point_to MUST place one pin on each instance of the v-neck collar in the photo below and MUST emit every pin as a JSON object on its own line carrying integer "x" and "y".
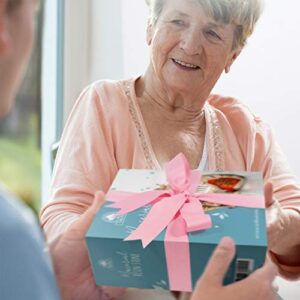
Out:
{"x": 213, "y": 149}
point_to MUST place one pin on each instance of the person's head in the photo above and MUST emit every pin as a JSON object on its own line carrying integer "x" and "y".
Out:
{"x": 206, "y": 35}
{"x": 16, "y": 40}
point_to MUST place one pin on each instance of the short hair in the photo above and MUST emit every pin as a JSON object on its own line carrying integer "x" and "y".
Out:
{"x": 242, "y": 13}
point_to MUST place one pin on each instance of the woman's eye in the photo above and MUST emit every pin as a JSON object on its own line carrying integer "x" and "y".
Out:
{"x": 177, "y": 22}
{"x": 213, "y": 34}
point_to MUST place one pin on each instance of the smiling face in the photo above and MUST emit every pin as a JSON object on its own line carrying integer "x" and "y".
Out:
{"x": 189, "y": 50}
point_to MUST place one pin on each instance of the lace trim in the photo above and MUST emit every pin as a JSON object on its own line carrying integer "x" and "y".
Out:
{"x": 217, "y": 141}
{"x": 135, "y": 118}
{"x": 216, "y": 133}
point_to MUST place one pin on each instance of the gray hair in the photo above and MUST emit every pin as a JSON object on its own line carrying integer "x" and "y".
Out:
{"x": 242, "y": 13}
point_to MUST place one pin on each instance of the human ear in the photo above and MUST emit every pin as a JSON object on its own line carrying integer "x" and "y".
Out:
{"x": 235, "y": 53}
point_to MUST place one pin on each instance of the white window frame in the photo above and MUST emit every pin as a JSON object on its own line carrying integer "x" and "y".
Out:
{"x": 52, "y": 85}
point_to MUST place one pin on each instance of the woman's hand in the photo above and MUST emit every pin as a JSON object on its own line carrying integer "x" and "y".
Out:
{"x": 257, "y": 286}
{"x": 70, "y": 258}
{"x": 282, "y": 224}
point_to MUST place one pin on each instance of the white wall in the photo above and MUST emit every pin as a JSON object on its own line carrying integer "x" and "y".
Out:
{"x": 106, "y": 40}
{"x": 266, "y": 75}
{"x": 135, "y": 48}
{"x": 93, "y": 45}
{"x": 76, "y": 51}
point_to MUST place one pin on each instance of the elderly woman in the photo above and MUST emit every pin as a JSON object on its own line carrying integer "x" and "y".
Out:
{"x": 144, "y": 122}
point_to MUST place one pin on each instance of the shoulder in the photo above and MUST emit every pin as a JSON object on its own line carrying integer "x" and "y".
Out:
{"x": 107, "y": 90}
{"x": 237, "y": 114}
{"x": 250, "y": 130}
{"x": 231, "y": 108}
{"x": 104, "y": 96}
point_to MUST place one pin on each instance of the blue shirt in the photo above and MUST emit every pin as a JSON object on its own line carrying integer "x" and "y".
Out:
{"x": 25, "y": 269}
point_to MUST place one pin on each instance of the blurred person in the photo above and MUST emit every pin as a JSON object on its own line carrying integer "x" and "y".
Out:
{"x": 25, "y": 268}
{"x": 25, "y": 271}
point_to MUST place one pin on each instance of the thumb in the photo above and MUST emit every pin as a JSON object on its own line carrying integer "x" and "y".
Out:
{"x": 268, "y": 194}
{"x": 259, "y": 284}
{"x": 86, "y": 219}
{"x": 266, "y": 273}
{"x": 219, "y": 262}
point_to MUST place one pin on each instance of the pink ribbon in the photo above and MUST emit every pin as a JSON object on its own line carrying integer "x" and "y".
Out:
{"x": 178, "y": 209}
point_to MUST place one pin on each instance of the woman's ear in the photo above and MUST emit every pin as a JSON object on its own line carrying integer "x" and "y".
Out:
{"x": 149, "y": 33}
{"x": 235, "y": 53}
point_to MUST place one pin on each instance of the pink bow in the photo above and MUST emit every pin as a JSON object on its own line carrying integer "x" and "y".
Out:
{"x": 180, "y": 201}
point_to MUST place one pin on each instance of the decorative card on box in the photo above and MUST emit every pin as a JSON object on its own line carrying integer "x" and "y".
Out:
{"x": 180, "y": 216}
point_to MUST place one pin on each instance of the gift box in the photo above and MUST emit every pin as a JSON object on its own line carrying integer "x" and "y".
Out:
{"x": 158, "y": 228}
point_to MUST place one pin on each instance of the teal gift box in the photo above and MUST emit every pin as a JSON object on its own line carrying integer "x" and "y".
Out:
{"x": 116, "y": 262}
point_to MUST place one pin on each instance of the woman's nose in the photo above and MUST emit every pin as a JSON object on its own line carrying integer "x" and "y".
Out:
{"x": 191, "y": 43}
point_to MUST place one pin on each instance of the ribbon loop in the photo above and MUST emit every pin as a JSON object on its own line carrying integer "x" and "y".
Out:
{"x": 179, "y": 174}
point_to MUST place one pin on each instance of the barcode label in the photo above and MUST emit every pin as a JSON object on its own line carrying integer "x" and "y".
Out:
{"x": 243, "y": 267}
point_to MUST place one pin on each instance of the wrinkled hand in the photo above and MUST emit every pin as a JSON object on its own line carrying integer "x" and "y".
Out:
{"x": 257, "y": 286}
{"x": 280, "y": 228}
{"x": 70, "y": 258}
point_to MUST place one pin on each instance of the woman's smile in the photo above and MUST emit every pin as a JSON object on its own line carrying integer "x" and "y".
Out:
{"x": 185, "y": 66}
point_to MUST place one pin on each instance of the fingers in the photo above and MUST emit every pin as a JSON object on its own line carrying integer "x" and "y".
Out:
{"x": 219, "y": 262}
{"x": 85, "y": 220}
{"x": 260, "y": 282}
{"x": 98, "y": 202}
{"x": 268, "y": 194}
{"x": 258, "y": 285}
{"x": 267, "y": 272}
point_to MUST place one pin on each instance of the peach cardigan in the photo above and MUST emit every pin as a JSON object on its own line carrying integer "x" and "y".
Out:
{"x": 106, "y": 132}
